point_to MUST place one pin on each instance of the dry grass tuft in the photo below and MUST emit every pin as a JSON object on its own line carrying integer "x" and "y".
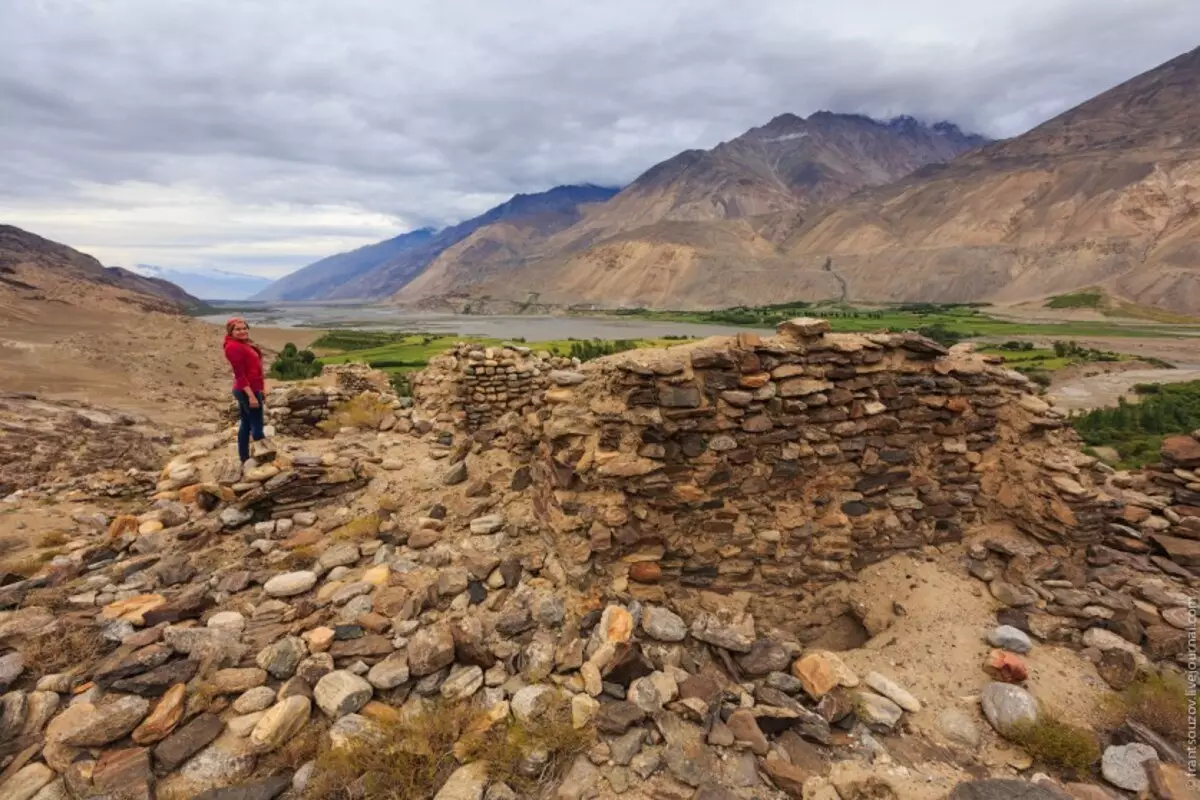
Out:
{"x": 506, "y": 749}
{"x": 300, "y": 558}
{"x": 74, "y": 647}
{"x": 53, "y": 539}
{"x": 363, "y": 411}
{"x": 1057, "y": 744}
{"x": 359, "y": 528}
{"x": 1160, "y": 702}
{"x": 408, "y": 760}
{"x": 26, "y": 566}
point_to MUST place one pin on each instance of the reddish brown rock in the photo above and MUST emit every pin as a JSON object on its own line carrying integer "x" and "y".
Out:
{"x": 645, "y": 572}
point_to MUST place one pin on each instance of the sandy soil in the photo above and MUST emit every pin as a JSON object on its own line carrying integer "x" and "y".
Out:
{"x": 153, "y": 364}
{"x": 937, "y": 649}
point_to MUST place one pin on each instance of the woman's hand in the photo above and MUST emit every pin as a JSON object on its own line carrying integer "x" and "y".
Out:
{"x": 252, "y": 399}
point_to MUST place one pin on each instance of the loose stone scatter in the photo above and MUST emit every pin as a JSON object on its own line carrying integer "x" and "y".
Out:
{"x": 656, "y": 549}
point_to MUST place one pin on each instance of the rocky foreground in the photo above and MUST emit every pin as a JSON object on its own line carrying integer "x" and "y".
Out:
{"x": 386, "y": 591}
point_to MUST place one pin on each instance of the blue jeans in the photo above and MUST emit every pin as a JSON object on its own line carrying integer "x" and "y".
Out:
{"x": 250, "y": 425}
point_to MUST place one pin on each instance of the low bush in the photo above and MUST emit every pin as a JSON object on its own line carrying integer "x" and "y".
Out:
{"x": 1057, "y": 744}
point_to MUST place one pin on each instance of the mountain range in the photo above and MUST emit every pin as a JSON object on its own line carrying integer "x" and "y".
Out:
{"x": 378, "y": 270}
{"x": 207, "y": 284}
{"x": 838, "y": 206}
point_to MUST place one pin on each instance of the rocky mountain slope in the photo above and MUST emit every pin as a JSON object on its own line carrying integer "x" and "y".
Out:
{"x": 619, "y": 249}
{"x": 380, "y": 269}
{"x": 1106, "y": 194}
{"x": 36, "y": 271}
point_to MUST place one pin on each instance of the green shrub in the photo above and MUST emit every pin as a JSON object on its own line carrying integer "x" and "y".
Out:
{"x": 294, "y": 365}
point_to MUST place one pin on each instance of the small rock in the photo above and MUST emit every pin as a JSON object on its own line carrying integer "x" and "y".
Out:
{"x": 959, "y": 727}
{"x": 456, "y": 474}
{"x": 290, "y": 584}
{"x": 664, "y": 625}
{"x": 1006, "y": 705}
{"x": 893, "y": 691}
{"x": 531, "y": 703}
{"x": 1007, "y": 637}
{"x": 1124, "y": 765}
{"x": 877, "y": 712}
{"x": 341, "y": 692}
{"x": 465, "y": 783}
{"x": 486, "y": 525}
{"x": 280, "y": 723}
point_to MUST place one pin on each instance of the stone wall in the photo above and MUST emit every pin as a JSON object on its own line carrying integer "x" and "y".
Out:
{"x": 782, "y": 465}
{"x": 478, "y": 385}
{"x": 297, "y": 409}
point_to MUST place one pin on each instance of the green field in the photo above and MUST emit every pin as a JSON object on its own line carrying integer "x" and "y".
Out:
{"x": 403, "y": 352}
{"x": 966, "y": 320}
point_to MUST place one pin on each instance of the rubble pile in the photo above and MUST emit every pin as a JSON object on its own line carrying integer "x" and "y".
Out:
{"x": 55, "y": 441}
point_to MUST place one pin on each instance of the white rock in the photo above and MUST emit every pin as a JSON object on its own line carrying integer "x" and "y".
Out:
{"x": 290, "y": 583}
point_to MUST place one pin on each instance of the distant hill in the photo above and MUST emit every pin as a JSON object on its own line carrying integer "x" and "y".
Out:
{"x": 35, "y": 271}
{"x": 378, "y": 270}
{"x": 210, "y": 284}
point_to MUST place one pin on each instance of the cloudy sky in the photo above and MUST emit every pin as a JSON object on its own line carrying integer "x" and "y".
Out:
{"x": 259, "y": 135}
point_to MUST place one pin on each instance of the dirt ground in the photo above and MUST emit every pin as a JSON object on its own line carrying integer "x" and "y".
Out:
{"x": 936, "y": 648}
{"x": 153, "y": 364}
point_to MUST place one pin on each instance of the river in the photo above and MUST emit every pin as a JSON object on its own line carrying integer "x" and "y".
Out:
{"x": 530, "y": 328}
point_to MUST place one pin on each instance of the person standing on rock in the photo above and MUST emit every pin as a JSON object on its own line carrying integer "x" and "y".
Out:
{"x": 248, "y": 387}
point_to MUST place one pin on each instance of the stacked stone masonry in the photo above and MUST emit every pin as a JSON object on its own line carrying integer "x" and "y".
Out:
{"x": 482, "y": 384}
{"x": 779, "y": 465}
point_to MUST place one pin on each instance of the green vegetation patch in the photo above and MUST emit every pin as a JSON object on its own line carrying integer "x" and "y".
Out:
{"x": 963, "y": 320}
{"x": 1136, "y": 430}
{"x": 294, "y": 365}
{"x": 1084, "y": 299}
{"x": 400, "y": 353}
{"x": 1057, "y": 744}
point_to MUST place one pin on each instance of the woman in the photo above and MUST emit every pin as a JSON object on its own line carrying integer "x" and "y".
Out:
{"x": 246, "y": 359}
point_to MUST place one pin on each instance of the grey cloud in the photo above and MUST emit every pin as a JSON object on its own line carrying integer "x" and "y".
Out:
{"x": 429, "y": 112}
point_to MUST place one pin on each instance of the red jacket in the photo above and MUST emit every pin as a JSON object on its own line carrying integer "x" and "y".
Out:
{"x": 246, "y": 363}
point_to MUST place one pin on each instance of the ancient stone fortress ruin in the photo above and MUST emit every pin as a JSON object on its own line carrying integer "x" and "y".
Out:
{"x": 775, "y": 465}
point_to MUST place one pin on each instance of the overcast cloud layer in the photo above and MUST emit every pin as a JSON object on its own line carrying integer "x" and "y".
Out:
{"x": 259, "y": 135}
